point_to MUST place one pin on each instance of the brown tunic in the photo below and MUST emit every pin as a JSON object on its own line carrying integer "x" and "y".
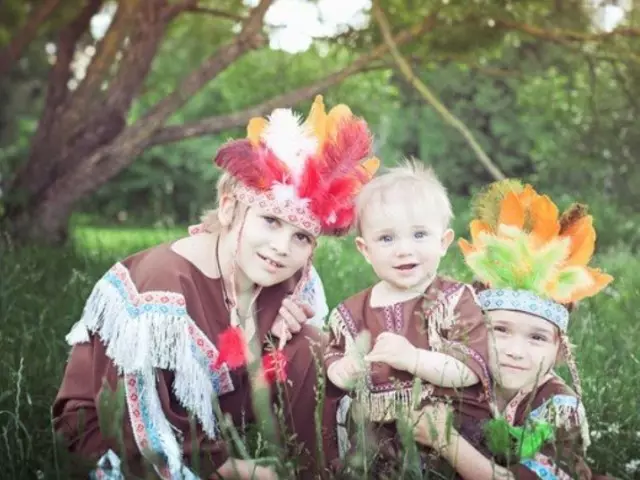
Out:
{"x": 446, "y": 319}
{"x": 177, "y": 314}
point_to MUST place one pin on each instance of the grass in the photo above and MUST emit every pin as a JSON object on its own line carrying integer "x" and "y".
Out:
{"x": 42, "y": 293}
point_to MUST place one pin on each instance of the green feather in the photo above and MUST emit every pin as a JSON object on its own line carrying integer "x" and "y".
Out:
{"x": 530, "y": 439}
{"x": 497, "y": 433}
{"x": 523, "y": 442}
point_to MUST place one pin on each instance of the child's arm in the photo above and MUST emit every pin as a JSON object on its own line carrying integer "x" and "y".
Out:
{"x": 431, "y": 427}
{"x": 340, "y": 360}
{"x": 443, "y": 370}
{"x": 434, "y": 367}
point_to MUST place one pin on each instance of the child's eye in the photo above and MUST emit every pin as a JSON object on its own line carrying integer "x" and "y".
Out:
{"x": 539, "y": 338}
{"x": 500, "y": 329}
{"x": 303, "y": 237}
{"x": 270, "y": 220}
{"x": 385, "y": 238}
{"x": 421, "y": 234}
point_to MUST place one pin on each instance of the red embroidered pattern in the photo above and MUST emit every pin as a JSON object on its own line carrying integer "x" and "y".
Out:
{"x": 140, "y": 432}
{"x": 301, "y": 217}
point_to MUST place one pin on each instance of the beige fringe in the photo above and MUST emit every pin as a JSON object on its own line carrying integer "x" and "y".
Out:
{"x": 385, "y": 407}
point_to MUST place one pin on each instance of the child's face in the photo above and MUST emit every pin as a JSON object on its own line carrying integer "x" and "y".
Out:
{"x": 522, "y": 349}
{"x": 271, "y": 250}
{"x": 403, "y": 243}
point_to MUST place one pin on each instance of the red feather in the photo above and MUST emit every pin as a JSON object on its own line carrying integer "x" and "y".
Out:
{"x": 342, "y": 156}
{"x": 256, "y": 167}
{"x": 331, "y": 180}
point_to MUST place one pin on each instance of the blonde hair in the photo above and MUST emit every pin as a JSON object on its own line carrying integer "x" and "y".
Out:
{"x": 412, "y": 179}
{"x": 224, "y": 186}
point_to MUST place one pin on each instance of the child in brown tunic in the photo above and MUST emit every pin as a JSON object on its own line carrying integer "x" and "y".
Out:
{"x": 417, "y": 323}
{"x": 155, "y": 320}
{"x": 534, "y": 264}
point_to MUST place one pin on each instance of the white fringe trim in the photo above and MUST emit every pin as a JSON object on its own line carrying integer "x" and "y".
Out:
{"x": 150, "y": 340}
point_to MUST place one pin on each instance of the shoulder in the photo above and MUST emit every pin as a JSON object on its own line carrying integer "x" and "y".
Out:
{"x": 160, "y": 268}
{"x": 141, "y": 297}
{"x": 358, "y": 301}
{"x": 454, "y": 293}
{"x": 349, "y": 311}
{"x": 556, "y": 403}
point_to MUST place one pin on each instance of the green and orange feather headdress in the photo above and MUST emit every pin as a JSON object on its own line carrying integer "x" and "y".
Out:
{"x": 521, "y": 244}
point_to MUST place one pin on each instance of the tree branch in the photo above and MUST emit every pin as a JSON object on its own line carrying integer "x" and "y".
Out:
{"x": 89, "y": 89}
{"x": 250, "y": 37}
{"x": 215, "y": 12}
{"x": 145, "y": 40}
{"x": 22, "y": 39}
{"x": 211, "y": 125}
{"x": 65, "y": 50}
{"x": 451, "y": 119}
{"x": 566, "y": 35}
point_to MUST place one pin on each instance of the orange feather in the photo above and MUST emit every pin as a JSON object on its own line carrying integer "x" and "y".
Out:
{"x": 544, "y": 219}
{"x": 600, "y": 280}
{"x": 477, "y": 227}
{"x": 583, "y": 241}
{"x": 466, "y": 247}
{"x": 511, "y": 211}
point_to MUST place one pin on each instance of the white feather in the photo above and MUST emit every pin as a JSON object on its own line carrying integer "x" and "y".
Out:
{"x": 290, "y": 140}
{"x": 287, "y": 193}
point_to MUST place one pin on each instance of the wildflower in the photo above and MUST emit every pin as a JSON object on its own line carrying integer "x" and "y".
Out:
{"x": 274, "y": 366}
{"x": 233, "y": 348}
{"x": 614, "y": 428}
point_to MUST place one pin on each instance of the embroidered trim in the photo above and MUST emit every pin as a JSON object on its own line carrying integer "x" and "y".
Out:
{"x": 545, "y": 468}
{"x": 297, "y": 213}
{"x": 512, "y": 407}
{"x": 540, "y": 470}
{"x": 440, "y": 314}
{"x": 151, "y": 430}
{"x": 525, "y": 301}
{"x": 565, "y": 411}
{"x": 144, "y": 331}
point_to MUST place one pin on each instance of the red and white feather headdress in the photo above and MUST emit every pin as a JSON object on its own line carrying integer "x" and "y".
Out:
{"x": 306, "y": 173}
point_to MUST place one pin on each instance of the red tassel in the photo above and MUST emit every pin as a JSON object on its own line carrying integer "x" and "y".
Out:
{"x": 232, "y": 349}
{"x": 274, "y": 366}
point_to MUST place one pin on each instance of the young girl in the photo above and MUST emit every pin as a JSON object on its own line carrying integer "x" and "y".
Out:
{"x": 535, "y": 265}
{"x": 154, "y": 321}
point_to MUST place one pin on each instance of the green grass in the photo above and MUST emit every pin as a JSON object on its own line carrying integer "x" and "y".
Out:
{"x": 42, "y": 293}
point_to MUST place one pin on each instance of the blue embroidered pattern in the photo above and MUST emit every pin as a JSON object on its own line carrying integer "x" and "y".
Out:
{"x": 540, "y": 470}
{"x": 556, "y": 401}
{"x": 524, "y": 301}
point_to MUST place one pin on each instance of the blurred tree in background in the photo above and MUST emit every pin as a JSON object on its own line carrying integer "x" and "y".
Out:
{"x": 121, "y": 125}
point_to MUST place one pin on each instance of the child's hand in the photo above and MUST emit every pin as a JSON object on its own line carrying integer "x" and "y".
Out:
{"x": 291, "y": 316}
{"x": 345, "y": 371}
{"x": 431, "y": 426}
{"x": 394, "y": 350}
